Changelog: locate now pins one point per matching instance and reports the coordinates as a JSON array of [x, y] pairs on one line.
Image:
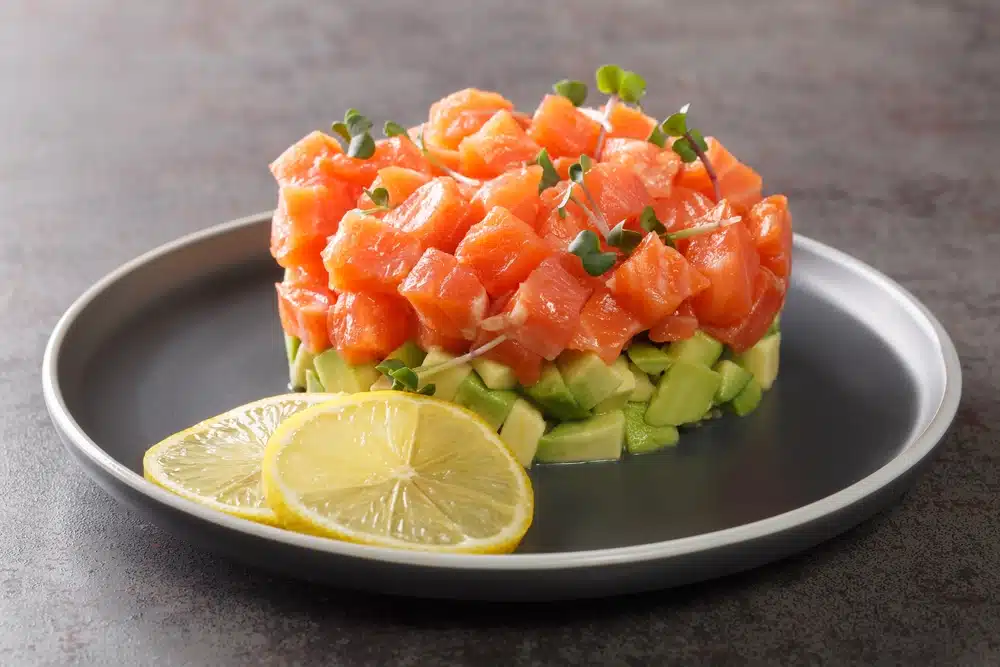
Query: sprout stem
[[458, 361], [605, 121], [708, 165]]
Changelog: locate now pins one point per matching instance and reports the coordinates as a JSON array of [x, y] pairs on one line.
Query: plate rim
[[916, 448]]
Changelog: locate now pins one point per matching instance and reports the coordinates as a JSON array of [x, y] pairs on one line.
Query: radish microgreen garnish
[[461, 178], [355, 131], [625, 240], [577, 170], [403, 377], [550, 177], [465, 358], [392, 129], [379, 197], [690, 144], [587, 247], [574, 91], [621, 86]]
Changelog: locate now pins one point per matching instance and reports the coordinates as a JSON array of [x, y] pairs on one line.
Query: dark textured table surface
[[124, 125]]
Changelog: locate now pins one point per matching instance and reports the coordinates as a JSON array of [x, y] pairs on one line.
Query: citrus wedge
[[396, 469], [217, 462]]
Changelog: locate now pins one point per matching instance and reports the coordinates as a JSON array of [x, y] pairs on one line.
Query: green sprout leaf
[[649, 222], [625, 240], [599, 263], [699, 140], [676, 124], [657, 137], [428, 389], [379, 196], [585, 243], [393, 129], [362, 146], [587, 247], [406, 377], [389, 365], [550, 177], [357, 124], [684, 149], [340, 129], [574, 91], [631, 87], [586, 163], [609, 79]]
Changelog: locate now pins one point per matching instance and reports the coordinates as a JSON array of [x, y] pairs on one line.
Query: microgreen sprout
[[625, 240], [550, 177], [379, 197], [393, 129], [690, 144], [587, 247], [463, 359], [577, 170], [621, 86], [403, 377], [355, 132], [461, 178], [574, 91]]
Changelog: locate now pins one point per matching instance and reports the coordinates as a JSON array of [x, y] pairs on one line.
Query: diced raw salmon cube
[[446, 296], [366, 327], [369, 255], [502, 250]]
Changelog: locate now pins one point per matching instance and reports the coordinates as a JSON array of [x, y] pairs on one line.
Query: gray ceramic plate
[[869, 383]]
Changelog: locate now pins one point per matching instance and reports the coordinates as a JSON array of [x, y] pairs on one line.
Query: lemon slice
[[396, 469], [217, 462]]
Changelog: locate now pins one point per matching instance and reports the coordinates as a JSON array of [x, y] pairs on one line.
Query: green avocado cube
[[642, 438], [491, 404], [683, 394], [336, 374], [588, 378], [409, 353], [762, 360], [303, 362], [599, 438], [313, 384], [734, 378], [748, 399], [494, 374], [649, 358], [446, 382], [643, 386], [522, 430], [699, 348], [554, 397]]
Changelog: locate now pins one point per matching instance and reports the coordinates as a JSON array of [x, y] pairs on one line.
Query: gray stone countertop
[[125, 125]]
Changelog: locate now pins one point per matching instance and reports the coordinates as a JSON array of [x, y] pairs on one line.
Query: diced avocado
[[492, 405], [620, 396], [337, 375], [643, 386], [522, 429], [599, 438], [649, 358], [409, 353], [775, 324], [699, 348], [446, 382], [313, 383], [734, 378], [554, 397], [762, 360], [748, 399], [494, 374], [291, 347], [589, 379], [683, 394], [303, 362], [640, 437]]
